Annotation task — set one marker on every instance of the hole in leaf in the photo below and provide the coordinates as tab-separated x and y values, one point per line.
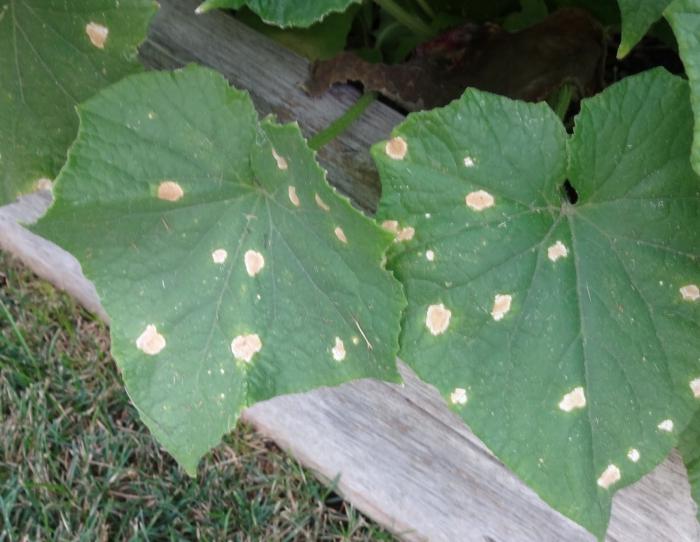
569	192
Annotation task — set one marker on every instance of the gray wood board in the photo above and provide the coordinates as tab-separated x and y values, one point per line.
397	452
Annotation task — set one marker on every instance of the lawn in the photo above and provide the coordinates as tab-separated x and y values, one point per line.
77	464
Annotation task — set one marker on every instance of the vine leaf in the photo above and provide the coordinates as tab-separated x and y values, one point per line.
565	334
684	18
53	55
230	270
637	19
295	13
689	447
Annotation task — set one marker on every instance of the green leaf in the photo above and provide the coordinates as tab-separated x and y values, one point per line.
573	330
689	447
637	18
684	18
230	270
296	13
55	54
320	41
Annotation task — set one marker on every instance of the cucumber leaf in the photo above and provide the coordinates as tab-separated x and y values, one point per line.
637	19
295	13
565	334
684	18
53	55
230	269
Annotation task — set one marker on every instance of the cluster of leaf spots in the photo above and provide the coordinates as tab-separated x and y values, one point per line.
53	55
230	269
566	335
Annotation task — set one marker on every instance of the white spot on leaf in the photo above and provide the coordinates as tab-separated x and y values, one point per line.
340	234
690	292
609	476
576	398
281	162
479	200
170	191
254	262
695	387
437	319
244	347
396	148
468	161
556	251
219	255
321	203
666	425
338	350
429	255
292	192
150	341
458	396
501	306
97	34
633	455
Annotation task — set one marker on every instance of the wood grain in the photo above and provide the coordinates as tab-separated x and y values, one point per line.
396	452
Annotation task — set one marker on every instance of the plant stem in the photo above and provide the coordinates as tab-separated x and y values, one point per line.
339	125
426	8
407	19
17	332
562	100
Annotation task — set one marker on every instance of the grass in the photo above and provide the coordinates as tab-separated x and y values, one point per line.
77	464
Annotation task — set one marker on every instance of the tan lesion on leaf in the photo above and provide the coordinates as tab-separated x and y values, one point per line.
170	191
459	396
150	341
219	255
400	233
479	200
501	306
281	162
610	476
666	425
322	204
254	262
437	318
97	34
292	193
690	292
244	347
340	234
576	398
338	350
396	148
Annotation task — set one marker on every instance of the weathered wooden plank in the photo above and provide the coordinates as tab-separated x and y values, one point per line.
402	456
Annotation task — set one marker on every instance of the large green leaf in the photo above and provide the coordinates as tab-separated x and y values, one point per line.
297	13
53	55
689	447
684	17
231	271
637	18
566	335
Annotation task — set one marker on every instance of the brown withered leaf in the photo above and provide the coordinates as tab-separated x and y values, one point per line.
568	47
